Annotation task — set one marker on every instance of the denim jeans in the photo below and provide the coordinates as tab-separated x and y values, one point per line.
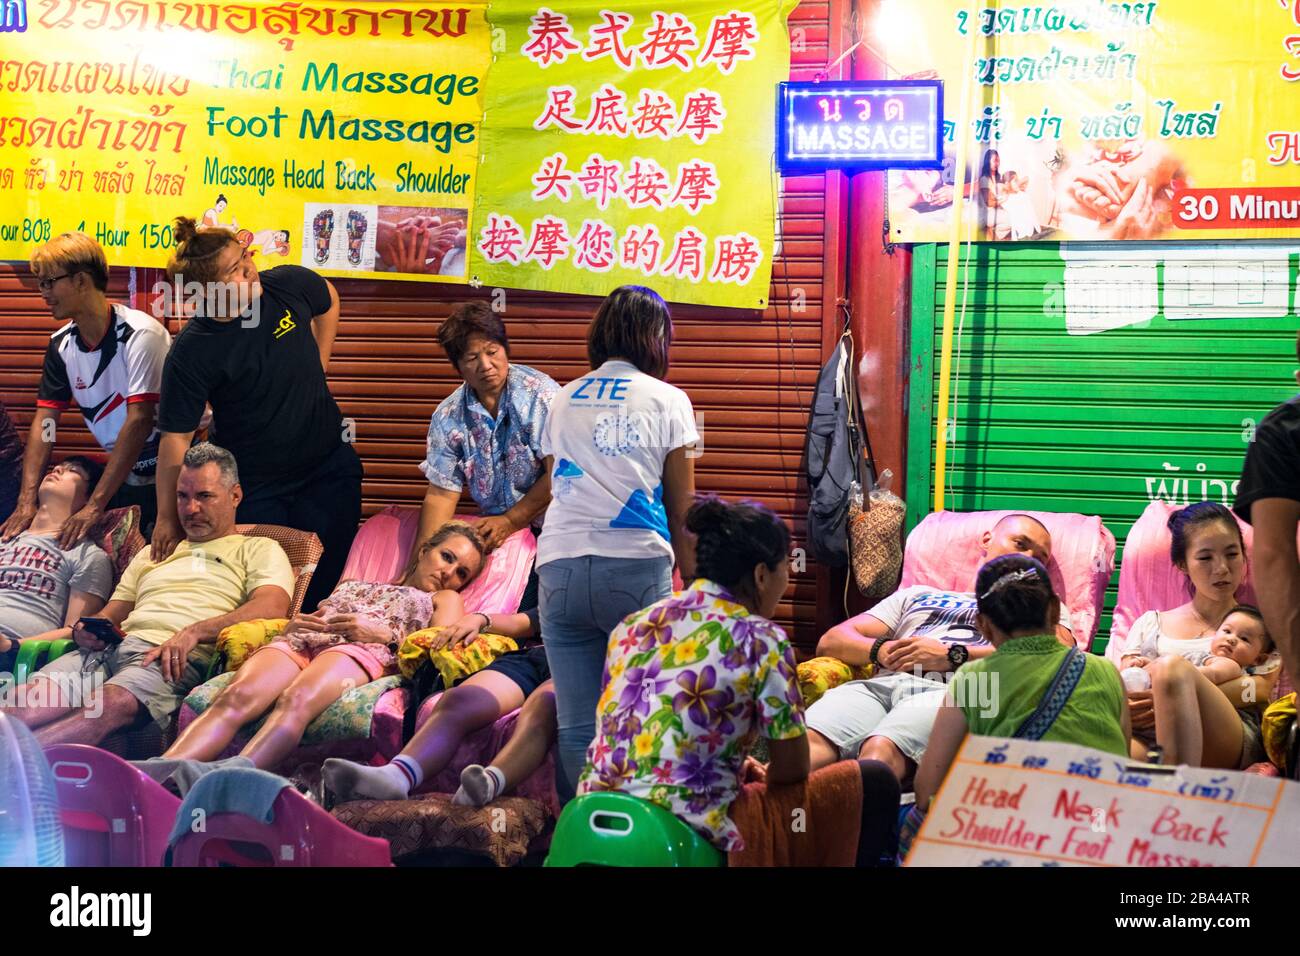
582	601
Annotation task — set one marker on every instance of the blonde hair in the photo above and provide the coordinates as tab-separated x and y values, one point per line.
197	249
70	253
448	530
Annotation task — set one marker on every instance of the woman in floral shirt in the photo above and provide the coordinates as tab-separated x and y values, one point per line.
692	680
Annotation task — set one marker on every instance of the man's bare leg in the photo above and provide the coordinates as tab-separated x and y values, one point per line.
91	726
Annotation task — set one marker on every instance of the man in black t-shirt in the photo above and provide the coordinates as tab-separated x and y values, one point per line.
256	350
1268	497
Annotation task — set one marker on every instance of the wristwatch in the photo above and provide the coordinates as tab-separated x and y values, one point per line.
958	654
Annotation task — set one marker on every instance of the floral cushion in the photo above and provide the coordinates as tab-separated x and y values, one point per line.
118	533
453	663
503	832
820	674
238	641
348	718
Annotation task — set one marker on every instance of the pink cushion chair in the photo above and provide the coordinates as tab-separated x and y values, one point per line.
113	815
382	546
943	551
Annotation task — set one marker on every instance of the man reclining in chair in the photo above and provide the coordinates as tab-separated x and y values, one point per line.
916	637
171	613
45	588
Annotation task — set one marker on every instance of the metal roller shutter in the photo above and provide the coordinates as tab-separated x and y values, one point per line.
1098	423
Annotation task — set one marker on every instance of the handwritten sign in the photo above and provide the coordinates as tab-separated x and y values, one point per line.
1030	803
876	125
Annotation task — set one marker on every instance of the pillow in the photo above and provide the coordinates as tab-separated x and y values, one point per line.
118	533
454	663
238	641
820	674
502	831
1276	728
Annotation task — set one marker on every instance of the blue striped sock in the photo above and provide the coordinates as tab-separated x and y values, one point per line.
410	768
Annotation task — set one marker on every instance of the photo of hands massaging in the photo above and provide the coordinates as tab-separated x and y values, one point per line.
1106	190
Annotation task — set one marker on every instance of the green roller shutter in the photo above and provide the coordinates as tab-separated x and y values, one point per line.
1098	423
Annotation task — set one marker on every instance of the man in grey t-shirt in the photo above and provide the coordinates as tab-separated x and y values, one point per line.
43	588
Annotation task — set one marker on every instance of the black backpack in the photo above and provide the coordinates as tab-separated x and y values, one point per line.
833	454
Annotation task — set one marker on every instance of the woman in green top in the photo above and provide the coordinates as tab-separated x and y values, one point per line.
1007	693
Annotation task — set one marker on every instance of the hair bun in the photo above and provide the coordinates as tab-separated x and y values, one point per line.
708	514
185	229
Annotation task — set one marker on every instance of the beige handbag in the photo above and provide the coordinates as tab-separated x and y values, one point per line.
876	540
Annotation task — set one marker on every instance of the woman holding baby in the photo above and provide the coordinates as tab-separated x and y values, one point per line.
1198	674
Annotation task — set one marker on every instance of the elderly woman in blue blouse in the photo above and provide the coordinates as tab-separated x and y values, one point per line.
486	437
487	434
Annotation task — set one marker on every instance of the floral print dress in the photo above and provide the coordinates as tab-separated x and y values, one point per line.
689	683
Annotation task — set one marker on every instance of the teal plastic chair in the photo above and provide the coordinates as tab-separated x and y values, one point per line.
614	829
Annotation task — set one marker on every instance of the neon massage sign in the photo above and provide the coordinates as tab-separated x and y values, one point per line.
881	124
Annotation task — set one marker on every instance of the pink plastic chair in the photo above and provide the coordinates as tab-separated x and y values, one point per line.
113	815
943	551
299	834
381	547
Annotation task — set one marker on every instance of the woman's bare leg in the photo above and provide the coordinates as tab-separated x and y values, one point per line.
471	705
324	681
255	688
1196	724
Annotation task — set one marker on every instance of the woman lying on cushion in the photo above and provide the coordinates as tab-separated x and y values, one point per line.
350	640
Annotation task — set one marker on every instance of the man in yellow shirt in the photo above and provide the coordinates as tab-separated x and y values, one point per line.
171	612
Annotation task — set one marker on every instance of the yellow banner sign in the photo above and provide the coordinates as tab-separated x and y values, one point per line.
633	143
340	137
1093	119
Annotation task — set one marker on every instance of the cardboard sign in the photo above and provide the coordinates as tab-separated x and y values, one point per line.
1031	803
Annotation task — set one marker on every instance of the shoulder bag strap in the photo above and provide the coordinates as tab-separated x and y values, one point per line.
1058	692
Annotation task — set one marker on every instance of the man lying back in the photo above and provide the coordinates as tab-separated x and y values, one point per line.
916	637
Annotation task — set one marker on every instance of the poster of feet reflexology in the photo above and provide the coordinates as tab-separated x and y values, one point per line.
339	236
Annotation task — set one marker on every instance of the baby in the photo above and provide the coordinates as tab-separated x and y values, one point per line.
1240	645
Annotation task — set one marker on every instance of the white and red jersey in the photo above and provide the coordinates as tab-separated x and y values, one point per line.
125	367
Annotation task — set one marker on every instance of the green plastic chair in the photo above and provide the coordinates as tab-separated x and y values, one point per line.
33	655
614	829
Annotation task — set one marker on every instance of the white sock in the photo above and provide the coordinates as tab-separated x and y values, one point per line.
353	781
479	786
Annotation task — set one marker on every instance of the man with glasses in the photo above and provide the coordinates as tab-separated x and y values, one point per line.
44	587
107	360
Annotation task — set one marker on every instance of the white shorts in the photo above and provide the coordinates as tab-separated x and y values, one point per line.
900	707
